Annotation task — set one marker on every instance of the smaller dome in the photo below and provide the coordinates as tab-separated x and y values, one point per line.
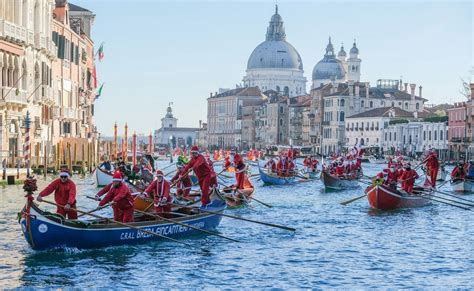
342	52
354	49
329	69
276	18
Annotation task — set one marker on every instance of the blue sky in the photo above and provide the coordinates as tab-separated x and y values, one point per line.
174	51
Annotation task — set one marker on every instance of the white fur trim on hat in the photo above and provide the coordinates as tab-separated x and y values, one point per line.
64	174
117	180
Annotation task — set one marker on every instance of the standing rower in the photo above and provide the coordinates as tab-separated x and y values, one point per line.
160	189
202	171
122	200
64	194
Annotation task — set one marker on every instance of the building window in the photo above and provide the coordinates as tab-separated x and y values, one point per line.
390	137
362	104
393	104
343	102
406	105
394	136
424	135
371	104
440	134
287	91
429	135
281	109
435	135
417	106
385	136
341	116
278	88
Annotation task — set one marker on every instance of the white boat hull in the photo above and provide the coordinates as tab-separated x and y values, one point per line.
102	178
463	186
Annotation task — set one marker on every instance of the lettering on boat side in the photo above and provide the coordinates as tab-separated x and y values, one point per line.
42	228
161	230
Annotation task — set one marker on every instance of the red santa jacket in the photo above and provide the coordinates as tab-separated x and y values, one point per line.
185	182
458	173
432	162
340	170
64	193
200	167
160	190
392	177
121	195
282	164
239	163
104	190
408	177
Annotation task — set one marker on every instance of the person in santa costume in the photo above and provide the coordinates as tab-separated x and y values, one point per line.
160	189
64	194
432	167
184	184
121	197
202	171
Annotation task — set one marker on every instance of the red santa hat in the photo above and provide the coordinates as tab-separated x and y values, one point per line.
194	149
65	172
117	177
159	173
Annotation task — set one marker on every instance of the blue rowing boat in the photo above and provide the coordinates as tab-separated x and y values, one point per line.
270	178
45	230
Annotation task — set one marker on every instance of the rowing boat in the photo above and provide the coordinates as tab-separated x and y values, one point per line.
384	198
236	198
336	183
45	230
102	177
463	186
271	178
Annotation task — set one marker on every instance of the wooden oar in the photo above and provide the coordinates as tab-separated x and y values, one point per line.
128	225
240	218
429	197
352	200
451	195
186	225
251	197
450	200
94	210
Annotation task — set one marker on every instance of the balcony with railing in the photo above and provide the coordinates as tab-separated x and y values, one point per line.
42	41
12	31
69	113
13	96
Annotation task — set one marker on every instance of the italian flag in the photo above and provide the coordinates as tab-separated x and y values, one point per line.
99	92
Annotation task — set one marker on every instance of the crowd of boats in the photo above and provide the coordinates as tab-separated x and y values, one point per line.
188	215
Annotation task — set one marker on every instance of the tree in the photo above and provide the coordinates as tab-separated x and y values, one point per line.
465	89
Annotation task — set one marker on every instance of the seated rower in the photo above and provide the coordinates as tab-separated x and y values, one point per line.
184	184
458	172
392	177
160	189
214	183
470	170
340	169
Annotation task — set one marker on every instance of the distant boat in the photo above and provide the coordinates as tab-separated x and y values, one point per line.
337	183
102	177
463	186
273	179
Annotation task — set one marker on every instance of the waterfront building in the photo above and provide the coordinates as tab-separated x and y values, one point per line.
337	101
170	134
201	136
272	120
225	114
415	138
459	138
298	123
275	64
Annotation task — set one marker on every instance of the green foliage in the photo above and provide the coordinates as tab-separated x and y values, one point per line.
398	121
436	119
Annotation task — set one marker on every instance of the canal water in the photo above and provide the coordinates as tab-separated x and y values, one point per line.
334	246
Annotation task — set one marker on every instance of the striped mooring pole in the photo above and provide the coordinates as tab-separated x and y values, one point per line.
26	146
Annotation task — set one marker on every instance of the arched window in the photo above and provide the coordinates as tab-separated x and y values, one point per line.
441	135
281	122
406	105
341	116
435	135
362	104
429	135
417	106
287	91
343	102
371	104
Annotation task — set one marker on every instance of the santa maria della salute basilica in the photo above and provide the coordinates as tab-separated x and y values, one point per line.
276	65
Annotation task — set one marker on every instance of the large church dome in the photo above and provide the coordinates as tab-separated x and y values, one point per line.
275	51
275	54
329	67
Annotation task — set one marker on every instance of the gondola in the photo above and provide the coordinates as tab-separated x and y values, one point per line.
102	177
45	230
383	198
273	179
336	183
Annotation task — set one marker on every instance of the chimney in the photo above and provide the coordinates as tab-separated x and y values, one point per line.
412	91
210	94
367	92
472	91
420	90
357	89
406	87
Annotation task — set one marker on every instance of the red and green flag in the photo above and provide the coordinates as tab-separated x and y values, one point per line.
99	92
100	52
